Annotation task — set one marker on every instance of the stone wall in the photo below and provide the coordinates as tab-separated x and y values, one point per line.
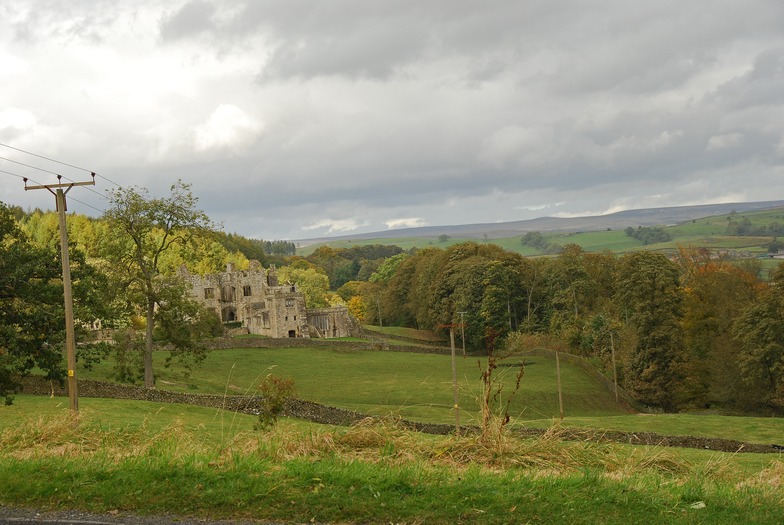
336	416
297	408
332	322
226	343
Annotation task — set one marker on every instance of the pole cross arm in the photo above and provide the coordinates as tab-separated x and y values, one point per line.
55	186
58	186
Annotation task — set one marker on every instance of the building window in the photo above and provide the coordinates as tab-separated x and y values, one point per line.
229	315
209	293
289	303
246	290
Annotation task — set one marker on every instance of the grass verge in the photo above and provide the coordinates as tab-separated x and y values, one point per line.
369	473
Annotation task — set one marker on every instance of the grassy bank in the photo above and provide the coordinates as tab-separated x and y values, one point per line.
201	463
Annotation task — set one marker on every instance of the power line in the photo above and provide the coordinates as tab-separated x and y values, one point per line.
46	158
19	176
47	171
30	166
12	173
58	162
101	195
24	178
88	205
28	179
108	180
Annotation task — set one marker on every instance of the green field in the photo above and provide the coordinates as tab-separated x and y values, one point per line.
410	385
418	387
114	415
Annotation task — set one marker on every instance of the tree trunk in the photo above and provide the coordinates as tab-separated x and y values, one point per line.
149	380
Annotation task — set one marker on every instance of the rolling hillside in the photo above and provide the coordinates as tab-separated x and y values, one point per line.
619	220
694	226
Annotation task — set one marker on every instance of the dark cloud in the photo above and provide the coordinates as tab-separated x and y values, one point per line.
351	114
763	85
190	20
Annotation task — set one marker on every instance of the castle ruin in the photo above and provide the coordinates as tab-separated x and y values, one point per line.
255	300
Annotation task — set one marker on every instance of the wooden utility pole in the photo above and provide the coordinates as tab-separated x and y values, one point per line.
462	330
454	381
455	396
70	344
558	374
615	368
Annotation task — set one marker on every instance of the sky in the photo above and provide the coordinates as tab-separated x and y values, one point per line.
297	119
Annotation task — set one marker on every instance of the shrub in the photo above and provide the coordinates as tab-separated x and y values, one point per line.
274	391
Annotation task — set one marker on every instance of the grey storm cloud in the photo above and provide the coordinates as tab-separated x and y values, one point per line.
191	19
303	118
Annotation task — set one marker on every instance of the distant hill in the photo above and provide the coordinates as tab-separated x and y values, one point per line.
499	230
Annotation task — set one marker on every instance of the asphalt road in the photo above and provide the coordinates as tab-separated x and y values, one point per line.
16	516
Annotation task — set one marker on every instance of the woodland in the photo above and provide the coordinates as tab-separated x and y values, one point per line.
683	330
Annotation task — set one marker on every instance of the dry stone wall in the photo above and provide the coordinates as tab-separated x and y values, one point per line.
298	408
227	343
336	416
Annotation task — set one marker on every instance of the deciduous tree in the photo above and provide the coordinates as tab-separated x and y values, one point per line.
142	230
31	307
716	292
760	330
649	292
312	282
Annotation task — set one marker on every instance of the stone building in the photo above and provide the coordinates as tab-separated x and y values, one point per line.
261	305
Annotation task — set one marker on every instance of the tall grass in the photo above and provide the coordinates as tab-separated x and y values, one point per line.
372	472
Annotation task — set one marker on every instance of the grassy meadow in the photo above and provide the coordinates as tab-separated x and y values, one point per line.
127	457
409	385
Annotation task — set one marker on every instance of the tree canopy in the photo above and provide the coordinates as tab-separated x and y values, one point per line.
31	306
143	230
